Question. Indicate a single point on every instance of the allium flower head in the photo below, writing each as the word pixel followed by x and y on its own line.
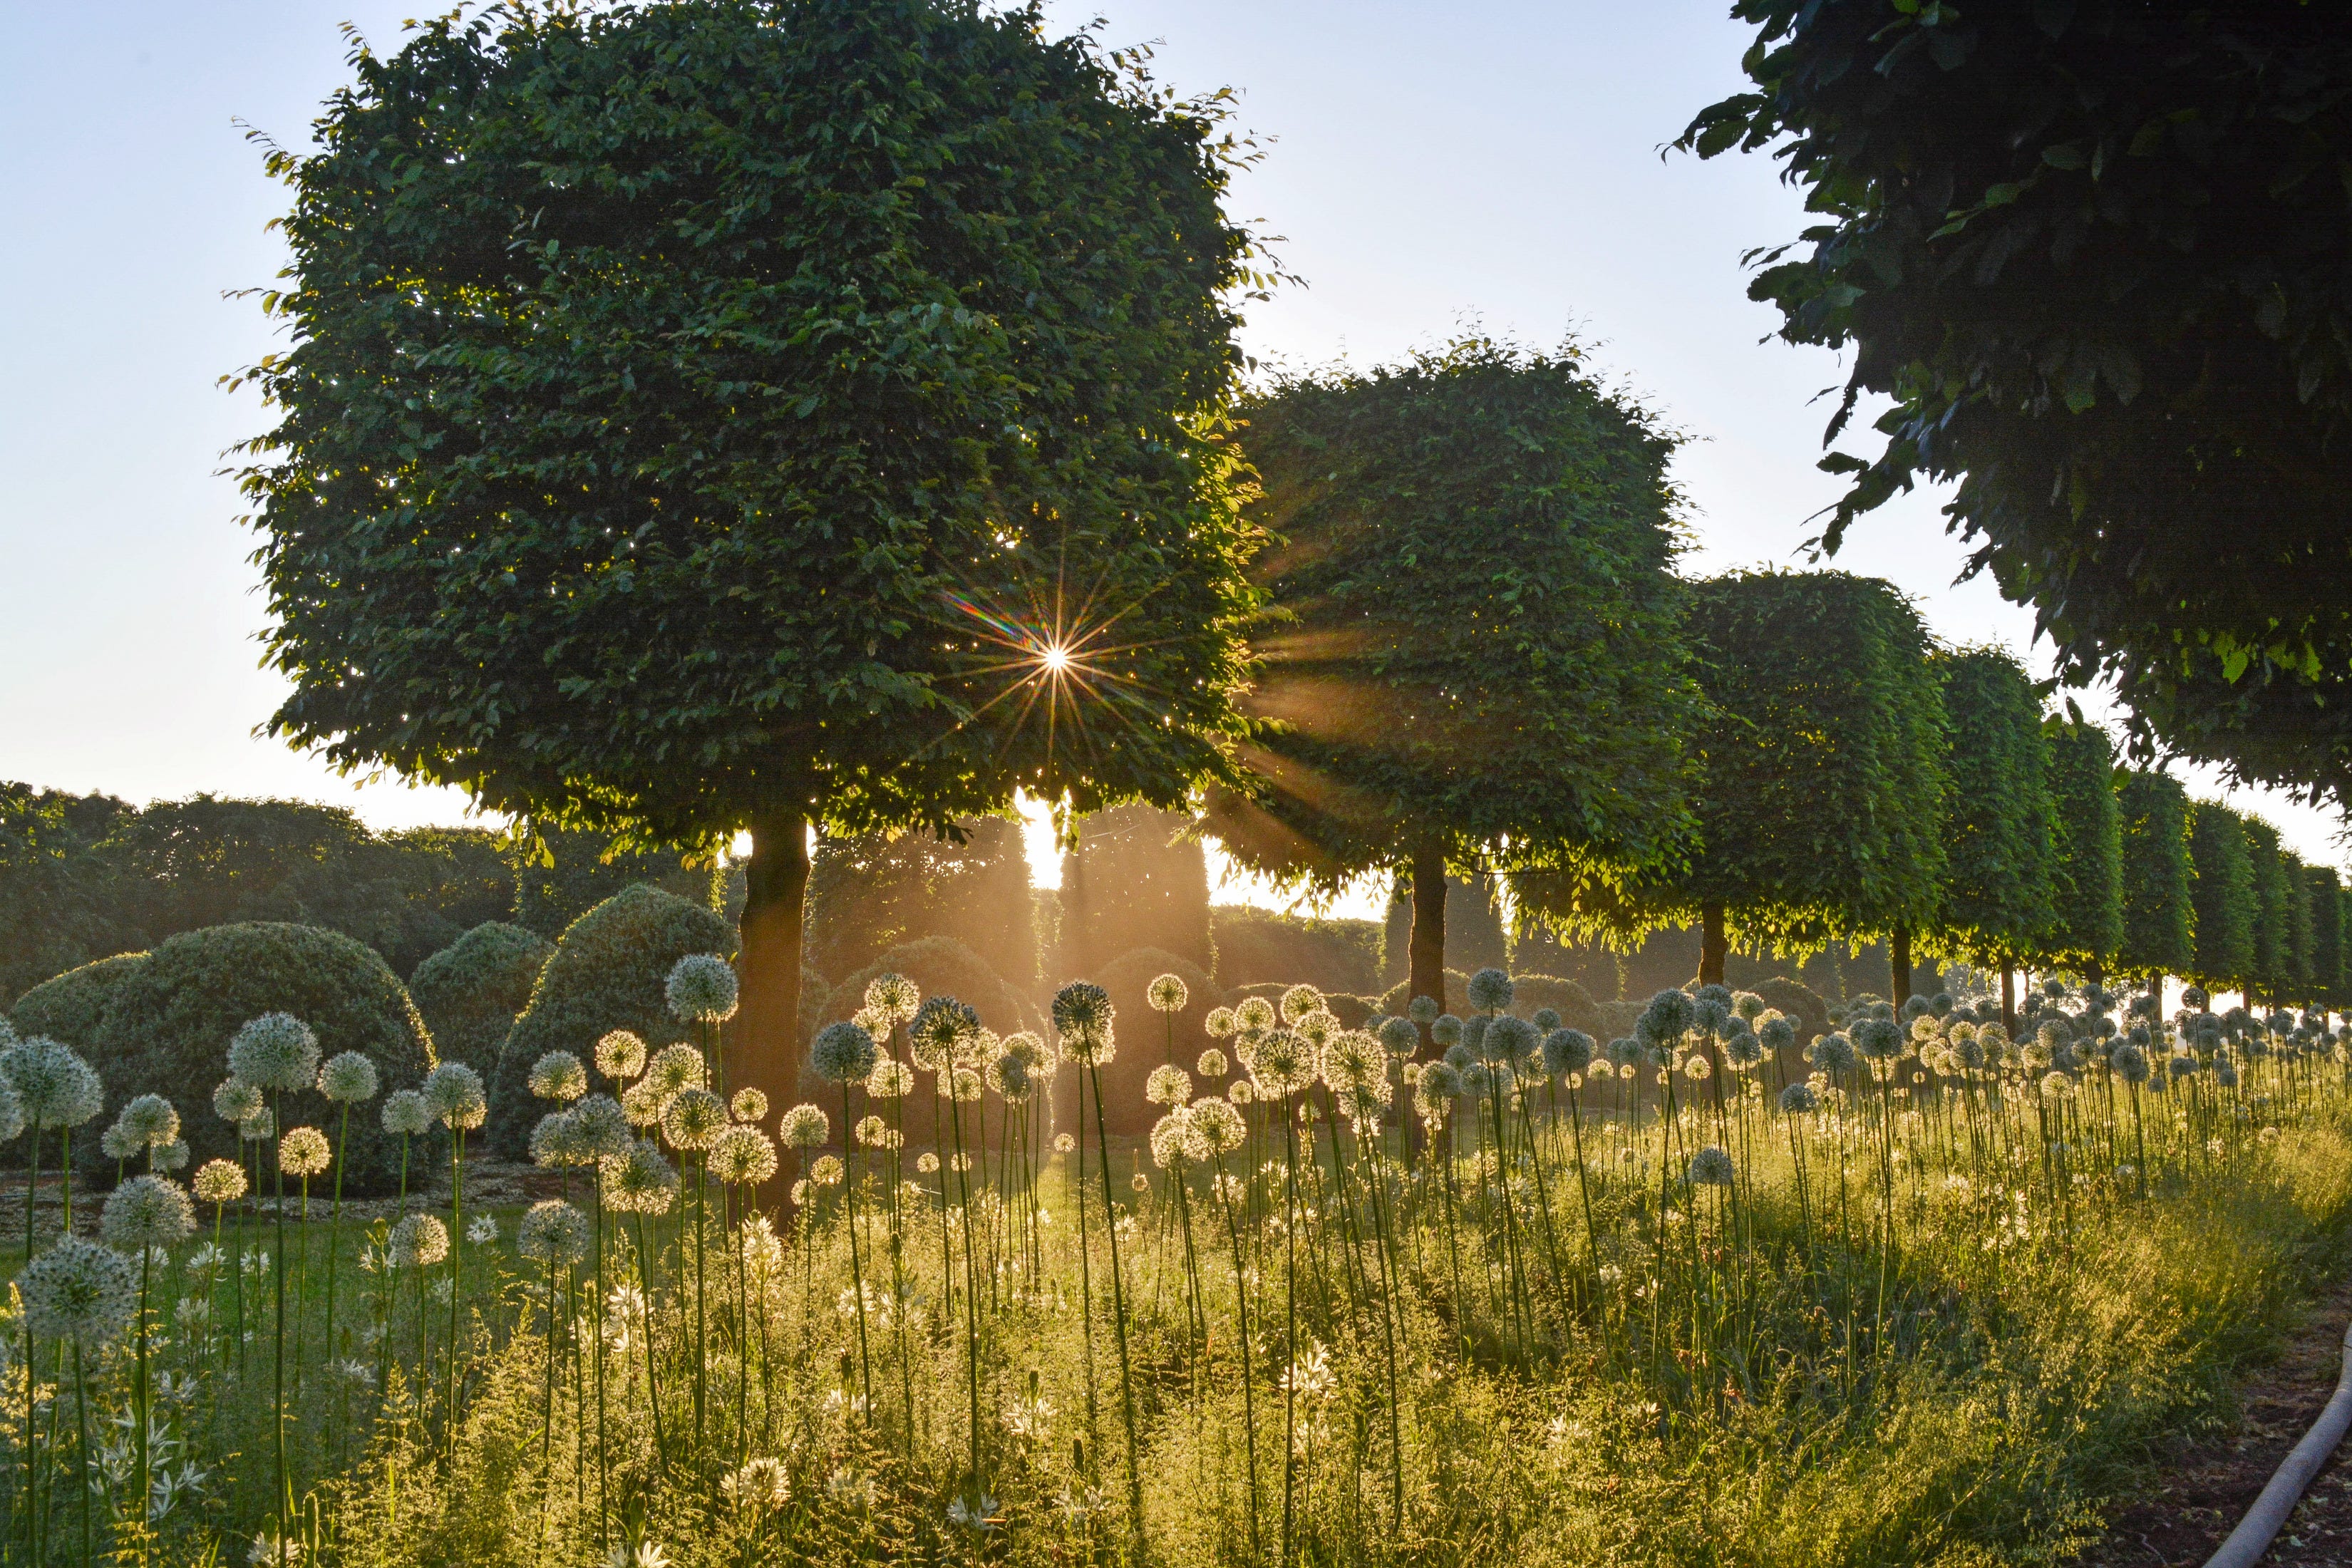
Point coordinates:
pixel 620 1055
pixel 1445 1029
pixel 1799 1099
pixel 1220 1023
pixel 1711 1167
pixel 348 1078
pixel 1218 1125
pixel 238 1100
pixel 804 1127
pixel 843 1053
pixel 1354 1059
pixel 558 1075
pixel 1398 1036
pixel 277 1050
pixel 961 1085
pixel 556 1144
pixel 2225 1073
pixel 172 1156
pixel 1511 1040
pixel 2056 1086
pixel 1212 1063
pixel 1474 1034
pixel 2182 1066
pixel 640 1182
pixel 742 1157
pixel 258 1129
pixel 673 1069
pixel 2130 1062
pixel 1083 1018
pixel 407 1114
pixel 144 1212
pixel 1833 1053
pixel 553 1231
pixel 1490 991
pixel 418 1241
pixel 1545 1019
pixel 1285 1064
pixel 304 1152
pixel 602 1127
pixel 150 1120
pixel 1422 1010
pixel 747 1105
pixel 1008 1075
pixel 54 1087
pixel 942 1028
pixel 694 1119
pixel 1776 1033
pixel 1174 1144
pixel 219 1181
pixel 760 1487
pixel 890 1080
pixel 1298 1001
pixel 828 1170
pixel 1566 1051
pixel 119 1143
pixel 1670 1015
pixel 894 996
pixel 1253 1014
pixel 1880 1040
pixel 78 1290
pixel 1241 1091
pixel 700 989
pixel 1168 1085
pixel 454 1091
pixel 12 1110
pixel 1167 994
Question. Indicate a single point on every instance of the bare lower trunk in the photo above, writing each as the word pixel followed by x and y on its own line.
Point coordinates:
pixel 1427 970
pixel 2009 999
pixel 1712 945
pixel 766 1042
pixel 1899 962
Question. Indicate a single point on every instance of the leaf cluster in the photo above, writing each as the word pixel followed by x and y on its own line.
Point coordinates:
pixel 2159 930
pixel 2002 880
pixel 2087 890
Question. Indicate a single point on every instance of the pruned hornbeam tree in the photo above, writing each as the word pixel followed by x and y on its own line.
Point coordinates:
pixel 2160 919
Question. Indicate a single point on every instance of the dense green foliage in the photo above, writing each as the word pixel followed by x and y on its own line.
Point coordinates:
pixel 2275 963
pixel 71 1007
pixel 871 891
pixel 1996 903
pixel 2087 902
pixel 2222 894
pixel 1134 879
pixel 166 1028
pixel 560 876
pixel 470 993
pixel 669 371
pixel 1257 946
pixel 2159 916
pixel 2093 252
pixel 56 908
pixel 607 972
pixel 2325 981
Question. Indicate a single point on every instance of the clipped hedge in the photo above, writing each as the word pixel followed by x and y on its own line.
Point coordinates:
pixel 471 991
pixel 70 1006
pixel 166 1029
pixel 607 972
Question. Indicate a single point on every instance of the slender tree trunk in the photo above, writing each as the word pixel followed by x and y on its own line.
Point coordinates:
pixel 2009 999
pixel 1428 947
pixel 1898 961
pixel 767 1026
pixel 1713 947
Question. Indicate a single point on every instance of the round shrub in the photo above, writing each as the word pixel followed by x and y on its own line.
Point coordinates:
pixel 609 972
pixel 471 991
pixel 1802 1005
pixel 1398 998
pixel 1569 998
pixel 70 1006
pixel 166 1031
pixel 1142 1040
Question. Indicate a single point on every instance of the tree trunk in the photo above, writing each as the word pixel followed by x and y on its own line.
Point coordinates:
pixel 1427 970
pixel 1899 962
pixel 767 1047
pixel 1712 945
pixel 2009 999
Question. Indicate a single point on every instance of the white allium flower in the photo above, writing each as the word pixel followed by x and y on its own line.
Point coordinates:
pixel 1490 991
pixel 119 1143
pixel 558 1075
pixel 620 1055
pixel 1083 1017
pixel 1167 994
pixel 1009 1075
pixel 144 1212
pixel 304 1152
pixel 747 1105
pixel 701 989
pixel 277 1050
pixel 640 1182
pixel 12 1110
pixel 760 1487
pixel 1217 1126
pixel 172 1156
pixel 418 1241
pixel 454 1091
pixel 54 1087
pixel 843 1053
pixel 482 1229
pixel 941 1033
pixel 694 1119
pixel 1175 1143
pixel 259 1129
pixel 1832 1053
pixel 1566 1051
pixel 1168 1085
pixel 642 1102
pixel 1211 1063
pixel 961 1085
pixel 349 1077
pixel 150 1120
pixel 893 996
pixel 1285 1064
pixel 555 1142
pixel 238 1100
pixel 220 1181
pixel 927 1163
pixel 742 1157
pixel 78 1290
pixel 805 1126
pixel 407 1114
pixel 1445 1031
pixel 1354 1059
pixel 890 1080
pixel 1220 1023
pixel 602 1126
pixel 1711 1167
pixel 673 1069
pixel 828 1170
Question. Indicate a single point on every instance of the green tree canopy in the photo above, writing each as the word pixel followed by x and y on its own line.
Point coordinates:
pixel 743 413
pixel 2326 977
pixel 2223 894
pixel 2087 831
pixel 2093 252
pixel 1998 906
pixel 1477 662
pixel 2160 931
pixel 2272 969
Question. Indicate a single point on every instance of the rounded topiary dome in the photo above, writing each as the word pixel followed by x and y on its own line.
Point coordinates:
pixel 608 972
pixel 167 1026
pixel 71 1006
pixel 471 991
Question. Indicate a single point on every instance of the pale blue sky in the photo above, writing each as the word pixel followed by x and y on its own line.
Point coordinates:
pixel 1429 165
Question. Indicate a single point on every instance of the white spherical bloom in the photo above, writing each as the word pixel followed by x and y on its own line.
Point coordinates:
pixel 1211 1063
pixel 1008 1077
pixel 1167 994
pixel 1490 991
pixel 349 1077
pixel 1168 1085
pixel 1299 1000
pixel 828 1170
pixel 172 1156
pixel 144 1212
pixel 760 1487
pixel 642 1102
pixel 407 1114
pixel 553 1231
pixel 277 1050
pixel 1354 1059
pixel 894 996
pixel 219 1181
pixel 119 1143
pixel 701 989
pixel 843 1053
pixel 747 1105
pixel 304 1152
pixel 12 1110
pixel 150 1120
pixel 418 1241
pixel 1799 1099
pixel 673 1069
pixel 742 1157
pixel 1253 1014
pixel 556 1144
pixel 558 1075
pixel 927 1163
pixel 1174 1144
pixel 1399 1037
pixel 258 1129
pixel 238 1100
pixel 890 1080
pixel 1218 1126
pixel 454 1091
pixel 78 1290
pixel 54 1087
pixel 640 1182
pixel 1220 1023
pixel 961 1085
pixel 620 1055
pixel 941 1029
pixel 694 1119
pixel 1711 1167
pixel 1083 1017
pixel 803 1127
pixel 602 1126
pixel 1285 1064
